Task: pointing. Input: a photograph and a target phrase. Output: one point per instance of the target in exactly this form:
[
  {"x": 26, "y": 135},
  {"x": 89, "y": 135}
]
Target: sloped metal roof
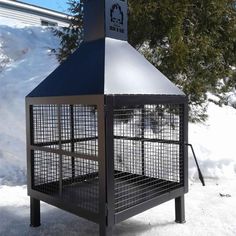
[{"x": 105, "y": 66}]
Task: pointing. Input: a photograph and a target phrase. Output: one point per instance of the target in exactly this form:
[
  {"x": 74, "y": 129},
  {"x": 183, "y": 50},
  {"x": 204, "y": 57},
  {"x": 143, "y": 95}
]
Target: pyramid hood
[{"x": 105, "y": 63}]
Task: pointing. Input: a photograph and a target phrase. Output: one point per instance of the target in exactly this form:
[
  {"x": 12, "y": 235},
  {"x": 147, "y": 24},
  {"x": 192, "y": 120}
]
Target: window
[{"x": 48, "y": 23}]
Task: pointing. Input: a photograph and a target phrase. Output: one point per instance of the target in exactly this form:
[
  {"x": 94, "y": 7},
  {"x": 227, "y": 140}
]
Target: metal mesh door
[{"x": 148, "y": 152}]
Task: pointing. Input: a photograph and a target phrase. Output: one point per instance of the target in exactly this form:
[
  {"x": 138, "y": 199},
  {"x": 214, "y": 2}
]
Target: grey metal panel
[
  {"x": 128, "y": 72},
  {"x": 117, "y": 19}
]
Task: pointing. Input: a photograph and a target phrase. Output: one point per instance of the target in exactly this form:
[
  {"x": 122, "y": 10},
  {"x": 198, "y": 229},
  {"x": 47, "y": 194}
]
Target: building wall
[{"x": 31, "y": 15}]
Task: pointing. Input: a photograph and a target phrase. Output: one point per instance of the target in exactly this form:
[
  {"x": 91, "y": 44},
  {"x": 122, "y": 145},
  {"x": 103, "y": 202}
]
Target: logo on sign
[{"x": 117, "y": 18}]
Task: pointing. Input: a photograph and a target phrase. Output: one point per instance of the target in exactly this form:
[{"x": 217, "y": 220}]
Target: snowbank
[
  {"x": 26, "y": 59},
  {"x": 214, "y": 143}
]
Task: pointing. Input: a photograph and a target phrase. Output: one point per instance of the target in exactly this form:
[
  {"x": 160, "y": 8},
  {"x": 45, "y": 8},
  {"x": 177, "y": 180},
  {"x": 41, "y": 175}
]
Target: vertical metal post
[
  {"x": 183, "y": 169},
  {"x": 105, "y": 229},
  {"x": 142, "y": 141},
  {"x": 30, "y": 141},
  {"x": 34, "y": 203},
  {"x": 185, "y": 147},
  {"x": 179, "y": 210},
  {"x": 72, "y": 137},
  {"x": 110, "y": 172},
  {"x": 34, "y": 212},
  {"x": 60, "y": 148}
]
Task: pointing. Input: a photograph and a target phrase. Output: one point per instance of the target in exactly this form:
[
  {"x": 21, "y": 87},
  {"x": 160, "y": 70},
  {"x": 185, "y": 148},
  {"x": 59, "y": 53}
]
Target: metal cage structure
[
  {"x": 107, "y": 158},
  {"x": 106, "y": 131}
]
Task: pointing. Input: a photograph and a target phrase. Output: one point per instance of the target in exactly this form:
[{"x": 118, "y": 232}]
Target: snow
[
  {"x": 207, "y": 213},
  {"x": 214, "y": 143},
  {"x": 232, "y": 98},
  {"x": 26, "y": 59}
]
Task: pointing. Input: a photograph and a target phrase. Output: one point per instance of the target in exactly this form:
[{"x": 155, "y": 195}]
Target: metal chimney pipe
[{"x": 105, "y": 18}]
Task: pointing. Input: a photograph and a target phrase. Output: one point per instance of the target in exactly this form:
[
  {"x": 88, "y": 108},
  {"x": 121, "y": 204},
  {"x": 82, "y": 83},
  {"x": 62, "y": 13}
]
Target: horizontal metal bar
[
  {"x": 69, "y": 181},
  {"x": 148, "y": 99},
  {"x": 147, "y": 140},
  {"x": 83, "y": 100},
  {"x": 62, "y": 152},
  {"x": 123, "y": 215},
  {"x": 67, "y": 206},
  {"x": 76, "y": 140}
]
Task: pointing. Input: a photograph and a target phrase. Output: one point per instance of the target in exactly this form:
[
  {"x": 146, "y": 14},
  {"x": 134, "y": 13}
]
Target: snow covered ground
[
  {"x": 207, "y": 213},
  {"x": 25, "y": 59}
]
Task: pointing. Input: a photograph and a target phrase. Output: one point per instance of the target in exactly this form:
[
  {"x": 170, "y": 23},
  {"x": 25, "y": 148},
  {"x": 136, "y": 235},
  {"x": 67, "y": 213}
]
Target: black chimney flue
[{"x": 105, "y": 18}]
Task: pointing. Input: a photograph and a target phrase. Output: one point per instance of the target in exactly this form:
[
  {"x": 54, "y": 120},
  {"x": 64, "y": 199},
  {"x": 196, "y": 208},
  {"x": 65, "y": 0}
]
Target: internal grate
[{"x": 148, "y": 152}]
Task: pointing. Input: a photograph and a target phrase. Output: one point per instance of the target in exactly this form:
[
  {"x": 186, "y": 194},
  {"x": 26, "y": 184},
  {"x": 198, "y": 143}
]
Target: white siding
[{"x": 29, "y": 17}]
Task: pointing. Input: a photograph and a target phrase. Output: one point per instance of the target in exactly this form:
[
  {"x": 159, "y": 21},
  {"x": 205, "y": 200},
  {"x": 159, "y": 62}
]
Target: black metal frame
[
  {"x": 106, "y": 217},
  {"x": 178, "y": 194}
]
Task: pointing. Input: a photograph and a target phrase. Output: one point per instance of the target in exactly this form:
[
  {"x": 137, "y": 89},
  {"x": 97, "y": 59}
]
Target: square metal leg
[
  {"x": 34, "y": 212},
  {"x": 104, "y": 230},
  {"x": 179, "y": 210}
]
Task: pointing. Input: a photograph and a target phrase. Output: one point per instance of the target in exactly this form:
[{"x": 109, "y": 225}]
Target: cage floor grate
[{"x": 85, "y": 194}]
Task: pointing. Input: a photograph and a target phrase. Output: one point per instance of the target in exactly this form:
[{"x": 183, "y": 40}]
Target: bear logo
[{"x": 117, "y": 16}]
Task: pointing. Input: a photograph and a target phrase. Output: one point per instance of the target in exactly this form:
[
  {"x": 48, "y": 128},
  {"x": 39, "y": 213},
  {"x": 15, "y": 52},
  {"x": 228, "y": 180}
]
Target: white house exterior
[{"x": 31, "y": 14}]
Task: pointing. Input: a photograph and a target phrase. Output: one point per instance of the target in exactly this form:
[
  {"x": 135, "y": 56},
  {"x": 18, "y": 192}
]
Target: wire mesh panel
[
  {"x": 80, "y": 182},
  {"x": 45, "y": 125},
  {"x": 65, "y": 164},
  {"x": 148, "y": 152},
  {"x": 46, "y": 172},
  {"x": 77, "y": 132},
  {"x": 85, "y": 129}
]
